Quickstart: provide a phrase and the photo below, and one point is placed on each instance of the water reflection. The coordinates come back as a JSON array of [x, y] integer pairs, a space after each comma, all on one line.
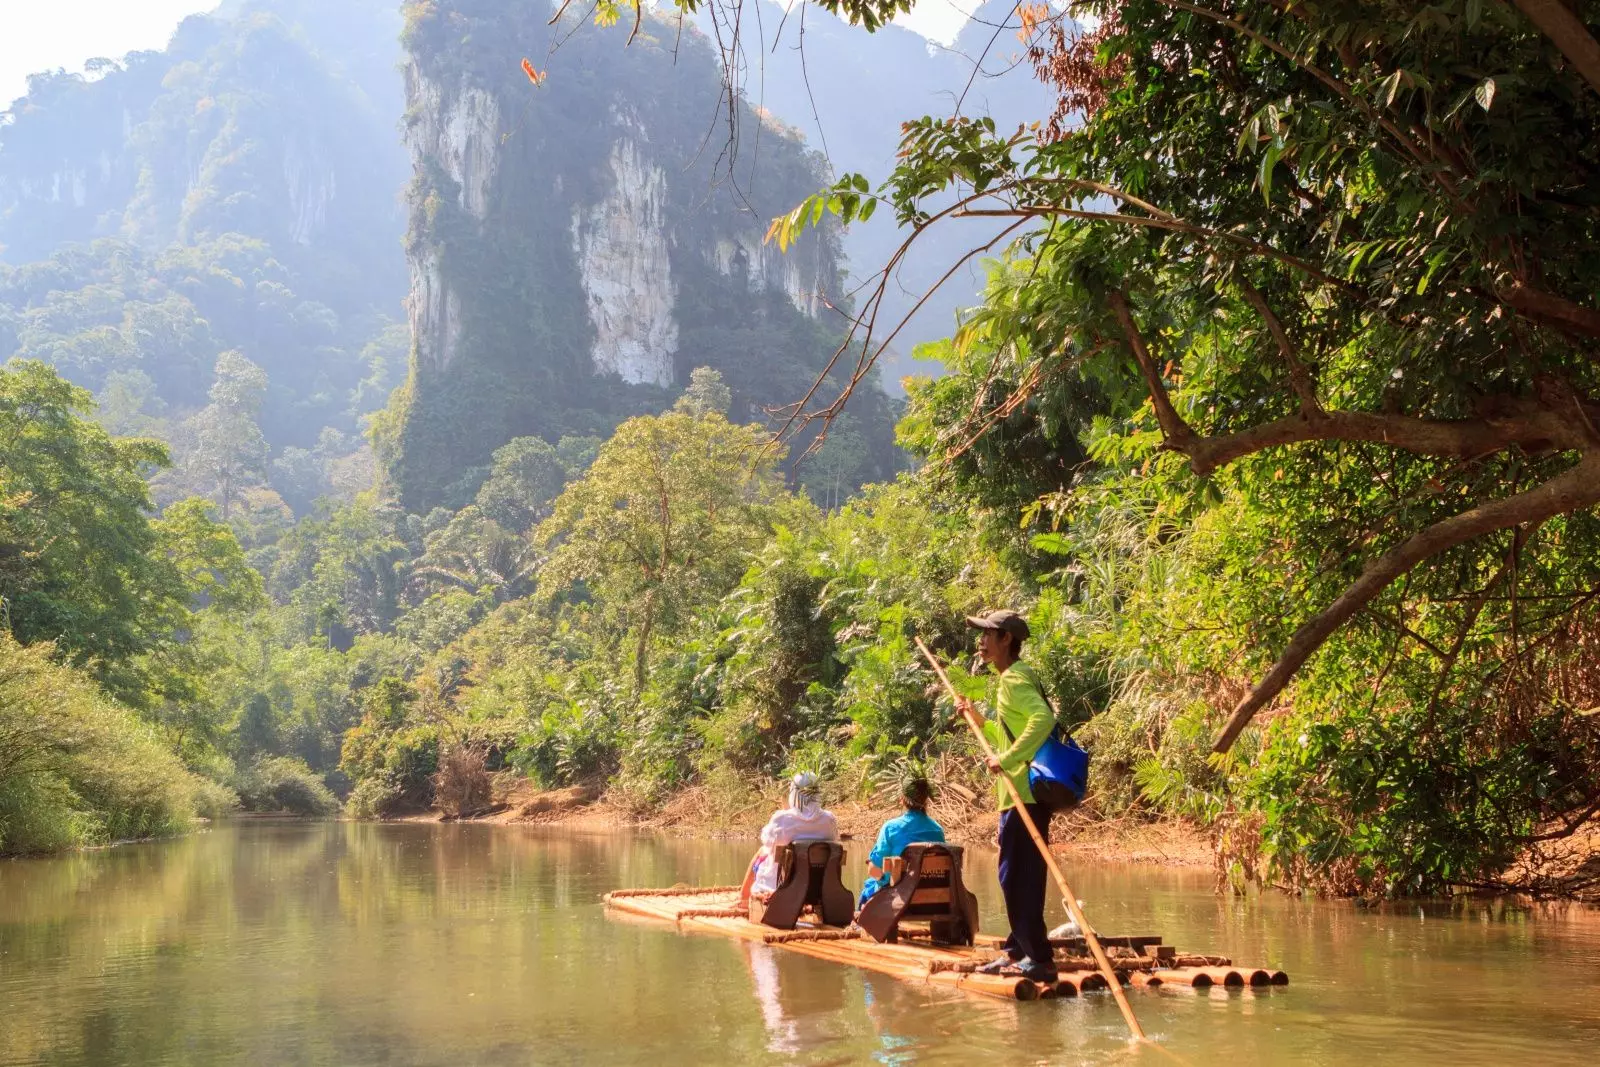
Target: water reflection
[[800, 1003], [356, 944]]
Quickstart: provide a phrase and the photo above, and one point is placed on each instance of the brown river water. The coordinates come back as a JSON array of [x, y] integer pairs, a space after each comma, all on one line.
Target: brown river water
[[461, 945]]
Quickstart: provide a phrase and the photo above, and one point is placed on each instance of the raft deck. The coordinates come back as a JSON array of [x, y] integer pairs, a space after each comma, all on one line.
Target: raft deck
[[1141, 961]]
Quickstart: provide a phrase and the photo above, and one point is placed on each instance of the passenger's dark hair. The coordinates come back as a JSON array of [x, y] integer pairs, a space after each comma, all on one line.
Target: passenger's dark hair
[[915, 793]]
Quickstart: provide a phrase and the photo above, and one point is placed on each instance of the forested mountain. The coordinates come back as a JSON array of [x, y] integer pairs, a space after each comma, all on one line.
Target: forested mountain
[[247, 191], [579, 245], [229, 206]]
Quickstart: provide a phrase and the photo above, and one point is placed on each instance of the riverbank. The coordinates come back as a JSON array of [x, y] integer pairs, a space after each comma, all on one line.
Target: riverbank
[[698, 811]]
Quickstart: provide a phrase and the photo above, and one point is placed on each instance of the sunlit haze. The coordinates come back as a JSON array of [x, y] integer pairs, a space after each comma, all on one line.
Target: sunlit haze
[[36, 37]]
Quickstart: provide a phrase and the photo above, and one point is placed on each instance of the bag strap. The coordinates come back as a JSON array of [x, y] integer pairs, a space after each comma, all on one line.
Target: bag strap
[[1055, 715]]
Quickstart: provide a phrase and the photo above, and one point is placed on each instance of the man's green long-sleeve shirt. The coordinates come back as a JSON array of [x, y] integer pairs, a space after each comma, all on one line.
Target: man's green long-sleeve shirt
[[1017, 699]]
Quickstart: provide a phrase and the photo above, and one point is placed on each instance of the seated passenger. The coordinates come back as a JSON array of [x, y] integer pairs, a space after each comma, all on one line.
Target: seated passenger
[[804, 819], [912, 828]]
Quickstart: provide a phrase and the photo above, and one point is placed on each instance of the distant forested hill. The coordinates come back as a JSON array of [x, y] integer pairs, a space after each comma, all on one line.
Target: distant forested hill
[[236, 193]]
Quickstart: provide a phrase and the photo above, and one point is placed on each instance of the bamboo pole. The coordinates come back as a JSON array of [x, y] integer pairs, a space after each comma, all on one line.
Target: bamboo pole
[[1067, 895]]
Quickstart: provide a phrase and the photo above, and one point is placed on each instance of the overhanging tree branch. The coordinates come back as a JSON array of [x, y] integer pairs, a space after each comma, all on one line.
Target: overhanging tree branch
[[1299, 376], [1524, 423], [1576, 489], [1165, 222], [1547, 307], [1178, 433]]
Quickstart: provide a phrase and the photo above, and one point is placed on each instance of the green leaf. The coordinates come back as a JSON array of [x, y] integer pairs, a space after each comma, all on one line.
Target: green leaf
[[1390, 86], [1269, 160], [1053, 543], [1484, 93]]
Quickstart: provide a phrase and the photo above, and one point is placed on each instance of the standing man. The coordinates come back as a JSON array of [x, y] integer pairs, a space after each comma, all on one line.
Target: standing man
[[1022, 721]]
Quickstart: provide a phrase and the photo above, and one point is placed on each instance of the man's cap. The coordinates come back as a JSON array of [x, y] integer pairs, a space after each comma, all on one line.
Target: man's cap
[[1004, 619]]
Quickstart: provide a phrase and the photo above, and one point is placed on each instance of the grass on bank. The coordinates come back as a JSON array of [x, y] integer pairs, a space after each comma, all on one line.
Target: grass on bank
[[77, 768]]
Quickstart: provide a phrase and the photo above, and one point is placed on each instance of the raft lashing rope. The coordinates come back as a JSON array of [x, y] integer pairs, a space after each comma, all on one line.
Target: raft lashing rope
[[1142, 962]]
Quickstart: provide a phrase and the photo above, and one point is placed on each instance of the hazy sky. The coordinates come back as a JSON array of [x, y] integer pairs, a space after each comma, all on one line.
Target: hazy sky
[[38, 35]]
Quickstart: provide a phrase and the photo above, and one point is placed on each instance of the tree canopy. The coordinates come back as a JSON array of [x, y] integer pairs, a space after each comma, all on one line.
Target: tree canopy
[[1351, 239], [83, 563], [665, 520]]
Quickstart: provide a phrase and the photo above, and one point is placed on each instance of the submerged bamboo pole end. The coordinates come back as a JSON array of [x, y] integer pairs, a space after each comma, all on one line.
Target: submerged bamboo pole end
[[1195, 977]]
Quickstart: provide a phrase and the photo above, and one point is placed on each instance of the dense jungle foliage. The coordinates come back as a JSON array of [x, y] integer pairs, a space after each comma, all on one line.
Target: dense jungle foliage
[[1277, 420], [1329, 272]]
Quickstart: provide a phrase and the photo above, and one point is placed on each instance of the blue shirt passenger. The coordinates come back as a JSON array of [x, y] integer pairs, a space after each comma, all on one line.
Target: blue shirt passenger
[[912, 828]]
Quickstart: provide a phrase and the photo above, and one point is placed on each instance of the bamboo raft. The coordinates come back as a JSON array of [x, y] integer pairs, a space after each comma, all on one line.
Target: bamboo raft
[[1143, 962]]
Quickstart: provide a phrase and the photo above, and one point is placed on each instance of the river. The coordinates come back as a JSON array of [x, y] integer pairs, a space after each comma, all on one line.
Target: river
[[354, 944]]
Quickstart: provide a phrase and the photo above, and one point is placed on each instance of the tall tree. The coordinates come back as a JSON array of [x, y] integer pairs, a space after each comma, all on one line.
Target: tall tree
[[82, 563], [1331, 270], [707, 394], [76, 549], [526, 476], [664, 522], [226, 451], [1343, 229], [829, 474]]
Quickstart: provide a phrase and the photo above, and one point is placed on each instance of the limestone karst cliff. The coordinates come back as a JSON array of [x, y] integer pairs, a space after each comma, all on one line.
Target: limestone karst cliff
[[576, 247], [275, 183]]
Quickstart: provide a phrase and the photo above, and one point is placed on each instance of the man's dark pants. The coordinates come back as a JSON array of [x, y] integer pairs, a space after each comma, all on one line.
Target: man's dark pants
[[1022, 881]]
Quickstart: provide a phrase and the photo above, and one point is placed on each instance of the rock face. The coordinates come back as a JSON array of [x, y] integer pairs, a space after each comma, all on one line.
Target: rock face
[[623, 233], [576, 244], [800, 277], [456, 132], [621, 245], [313, 187], [457, 129]]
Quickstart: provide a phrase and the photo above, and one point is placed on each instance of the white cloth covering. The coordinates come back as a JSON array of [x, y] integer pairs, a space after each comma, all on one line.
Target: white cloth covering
[[788, 825]]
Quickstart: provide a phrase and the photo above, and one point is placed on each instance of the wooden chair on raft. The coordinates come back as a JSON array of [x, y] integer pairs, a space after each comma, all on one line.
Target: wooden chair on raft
[[808, 877], [927, 887]]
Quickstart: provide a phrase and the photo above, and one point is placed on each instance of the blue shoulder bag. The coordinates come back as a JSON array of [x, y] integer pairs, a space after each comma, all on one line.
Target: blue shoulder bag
[[1058, 775]]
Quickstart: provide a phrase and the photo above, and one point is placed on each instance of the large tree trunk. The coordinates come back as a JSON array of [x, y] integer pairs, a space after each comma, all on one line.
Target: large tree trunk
[[642, 652]]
